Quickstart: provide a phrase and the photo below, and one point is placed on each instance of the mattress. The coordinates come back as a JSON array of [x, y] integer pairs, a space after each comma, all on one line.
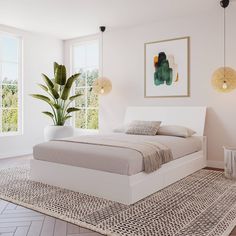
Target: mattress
[[111, 159]]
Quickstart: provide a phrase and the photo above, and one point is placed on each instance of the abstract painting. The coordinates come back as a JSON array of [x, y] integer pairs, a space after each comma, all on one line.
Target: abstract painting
[[167, 68]]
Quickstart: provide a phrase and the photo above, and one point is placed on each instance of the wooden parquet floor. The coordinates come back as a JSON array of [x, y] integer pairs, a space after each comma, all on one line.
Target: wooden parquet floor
[[19, 221]]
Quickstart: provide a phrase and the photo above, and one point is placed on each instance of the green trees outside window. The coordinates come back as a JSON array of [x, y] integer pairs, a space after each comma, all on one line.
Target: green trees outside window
[[86, 62], [10, 79]]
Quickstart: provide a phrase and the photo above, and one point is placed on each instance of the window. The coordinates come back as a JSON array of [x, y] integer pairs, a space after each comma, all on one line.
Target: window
[[85, 60], [10, 84]]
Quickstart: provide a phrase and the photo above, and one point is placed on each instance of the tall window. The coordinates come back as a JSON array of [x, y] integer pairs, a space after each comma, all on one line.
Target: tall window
[[10, 81], [85, 60]]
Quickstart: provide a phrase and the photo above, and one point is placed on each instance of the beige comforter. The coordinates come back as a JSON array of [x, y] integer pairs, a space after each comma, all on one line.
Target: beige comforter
[[154, 153]]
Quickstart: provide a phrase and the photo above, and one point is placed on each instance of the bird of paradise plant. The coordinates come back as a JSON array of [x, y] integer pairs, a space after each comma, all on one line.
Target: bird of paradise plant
[[58, 90]]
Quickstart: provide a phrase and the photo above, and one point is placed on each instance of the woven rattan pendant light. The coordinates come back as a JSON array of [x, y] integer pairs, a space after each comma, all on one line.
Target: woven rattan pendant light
[[102, 85], [224, 78]]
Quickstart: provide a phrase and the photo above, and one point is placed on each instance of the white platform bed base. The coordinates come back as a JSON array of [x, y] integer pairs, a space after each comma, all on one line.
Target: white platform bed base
[[130, 189], [121, 188]]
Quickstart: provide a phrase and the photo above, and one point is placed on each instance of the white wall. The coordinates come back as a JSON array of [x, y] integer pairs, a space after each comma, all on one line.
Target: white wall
[[39, 53], [124, 65]]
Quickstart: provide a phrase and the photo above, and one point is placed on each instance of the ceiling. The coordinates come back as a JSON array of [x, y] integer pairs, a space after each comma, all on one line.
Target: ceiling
[[73, 18]]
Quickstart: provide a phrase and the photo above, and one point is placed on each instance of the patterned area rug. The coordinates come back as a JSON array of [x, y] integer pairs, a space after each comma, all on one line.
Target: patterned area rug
[[201, 204]]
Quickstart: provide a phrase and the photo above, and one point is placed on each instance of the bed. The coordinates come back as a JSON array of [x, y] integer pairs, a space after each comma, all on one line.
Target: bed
[[118, 174]]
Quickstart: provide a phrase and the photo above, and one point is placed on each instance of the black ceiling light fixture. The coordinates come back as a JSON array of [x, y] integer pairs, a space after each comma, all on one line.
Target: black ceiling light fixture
[[102, 28], [224, 3], [224, 78], [102, 85]]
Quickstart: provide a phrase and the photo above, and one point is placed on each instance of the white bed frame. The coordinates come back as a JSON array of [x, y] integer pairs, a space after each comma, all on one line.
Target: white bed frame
[[130, 189]]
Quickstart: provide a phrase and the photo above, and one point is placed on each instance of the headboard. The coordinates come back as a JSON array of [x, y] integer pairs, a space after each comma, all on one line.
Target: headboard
[[191, 117]]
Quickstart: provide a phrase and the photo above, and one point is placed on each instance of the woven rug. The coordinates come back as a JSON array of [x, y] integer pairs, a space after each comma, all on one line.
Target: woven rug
[[203, 203]]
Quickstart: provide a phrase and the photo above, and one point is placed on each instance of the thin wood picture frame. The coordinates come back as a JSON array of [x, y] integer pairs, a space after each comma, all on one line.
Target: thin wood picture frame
[[167, 68]]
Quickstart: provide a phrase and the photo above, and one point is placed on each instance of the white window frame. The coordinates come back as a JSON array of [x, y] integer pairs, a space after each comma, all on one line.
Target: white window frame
[[73, 44], [19, 87]]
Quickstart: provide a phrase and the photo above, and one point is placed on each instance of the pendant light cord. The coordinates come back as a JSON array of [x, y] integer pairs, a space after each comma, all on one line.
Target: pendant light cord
[[102, 54], [224, 41]]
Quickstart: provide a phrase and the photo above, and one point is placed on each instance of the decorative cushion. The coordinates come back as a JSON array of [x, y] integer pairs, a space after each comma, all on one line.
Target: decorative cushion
[[175, 130], [120, 129], [140, 127]]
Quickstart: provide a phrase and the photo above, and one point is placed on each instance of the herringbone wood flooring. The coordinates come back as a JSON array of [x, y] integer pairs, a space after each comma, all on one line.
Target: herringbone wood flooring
[[19, 221]]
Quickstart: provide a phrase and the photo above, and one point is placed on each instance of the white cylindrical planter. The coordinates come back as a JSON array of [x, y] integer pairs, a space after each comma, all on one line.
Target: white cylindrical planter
[[56, 132], [230, 162]]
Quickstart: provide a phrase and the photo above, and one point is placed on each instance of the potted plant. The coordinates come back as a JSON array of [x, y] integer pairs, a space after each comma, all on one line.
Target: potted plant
[[59, 99]]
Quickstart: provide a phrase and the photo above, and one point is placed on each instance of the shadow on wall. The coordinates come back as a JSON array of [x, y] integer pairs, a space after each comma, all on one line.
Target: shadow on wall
[[111, 118], [217, 135]]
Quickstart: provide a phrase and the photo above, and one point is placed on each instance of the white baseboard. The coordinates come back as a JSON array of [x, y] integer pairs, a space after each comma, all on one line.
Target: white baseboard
[[16, 154], [215, 164]]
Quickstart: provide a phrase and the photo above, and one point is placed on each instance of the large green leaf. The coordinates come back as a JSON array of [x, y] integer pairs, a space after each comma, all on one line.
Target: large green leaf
[[67, 117], [55, 67], [54, 93], [48, 114], [67, 88], [72, 98], [46, 99], [47, 81], [43, 87], [60, 75], [72, 109], [55, 85], [41, 97], [57, 106]]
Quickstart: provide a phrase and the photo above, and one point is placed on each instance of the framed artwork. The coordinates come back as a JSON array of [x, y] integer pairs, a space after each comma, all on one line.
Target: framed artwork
[[167, 68]]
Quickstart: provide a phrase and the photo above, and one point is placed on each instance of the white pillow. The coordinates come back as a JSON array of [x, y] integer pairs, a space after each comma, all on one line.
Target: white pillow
[[120, 129], [141, 127], [175, 130]]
